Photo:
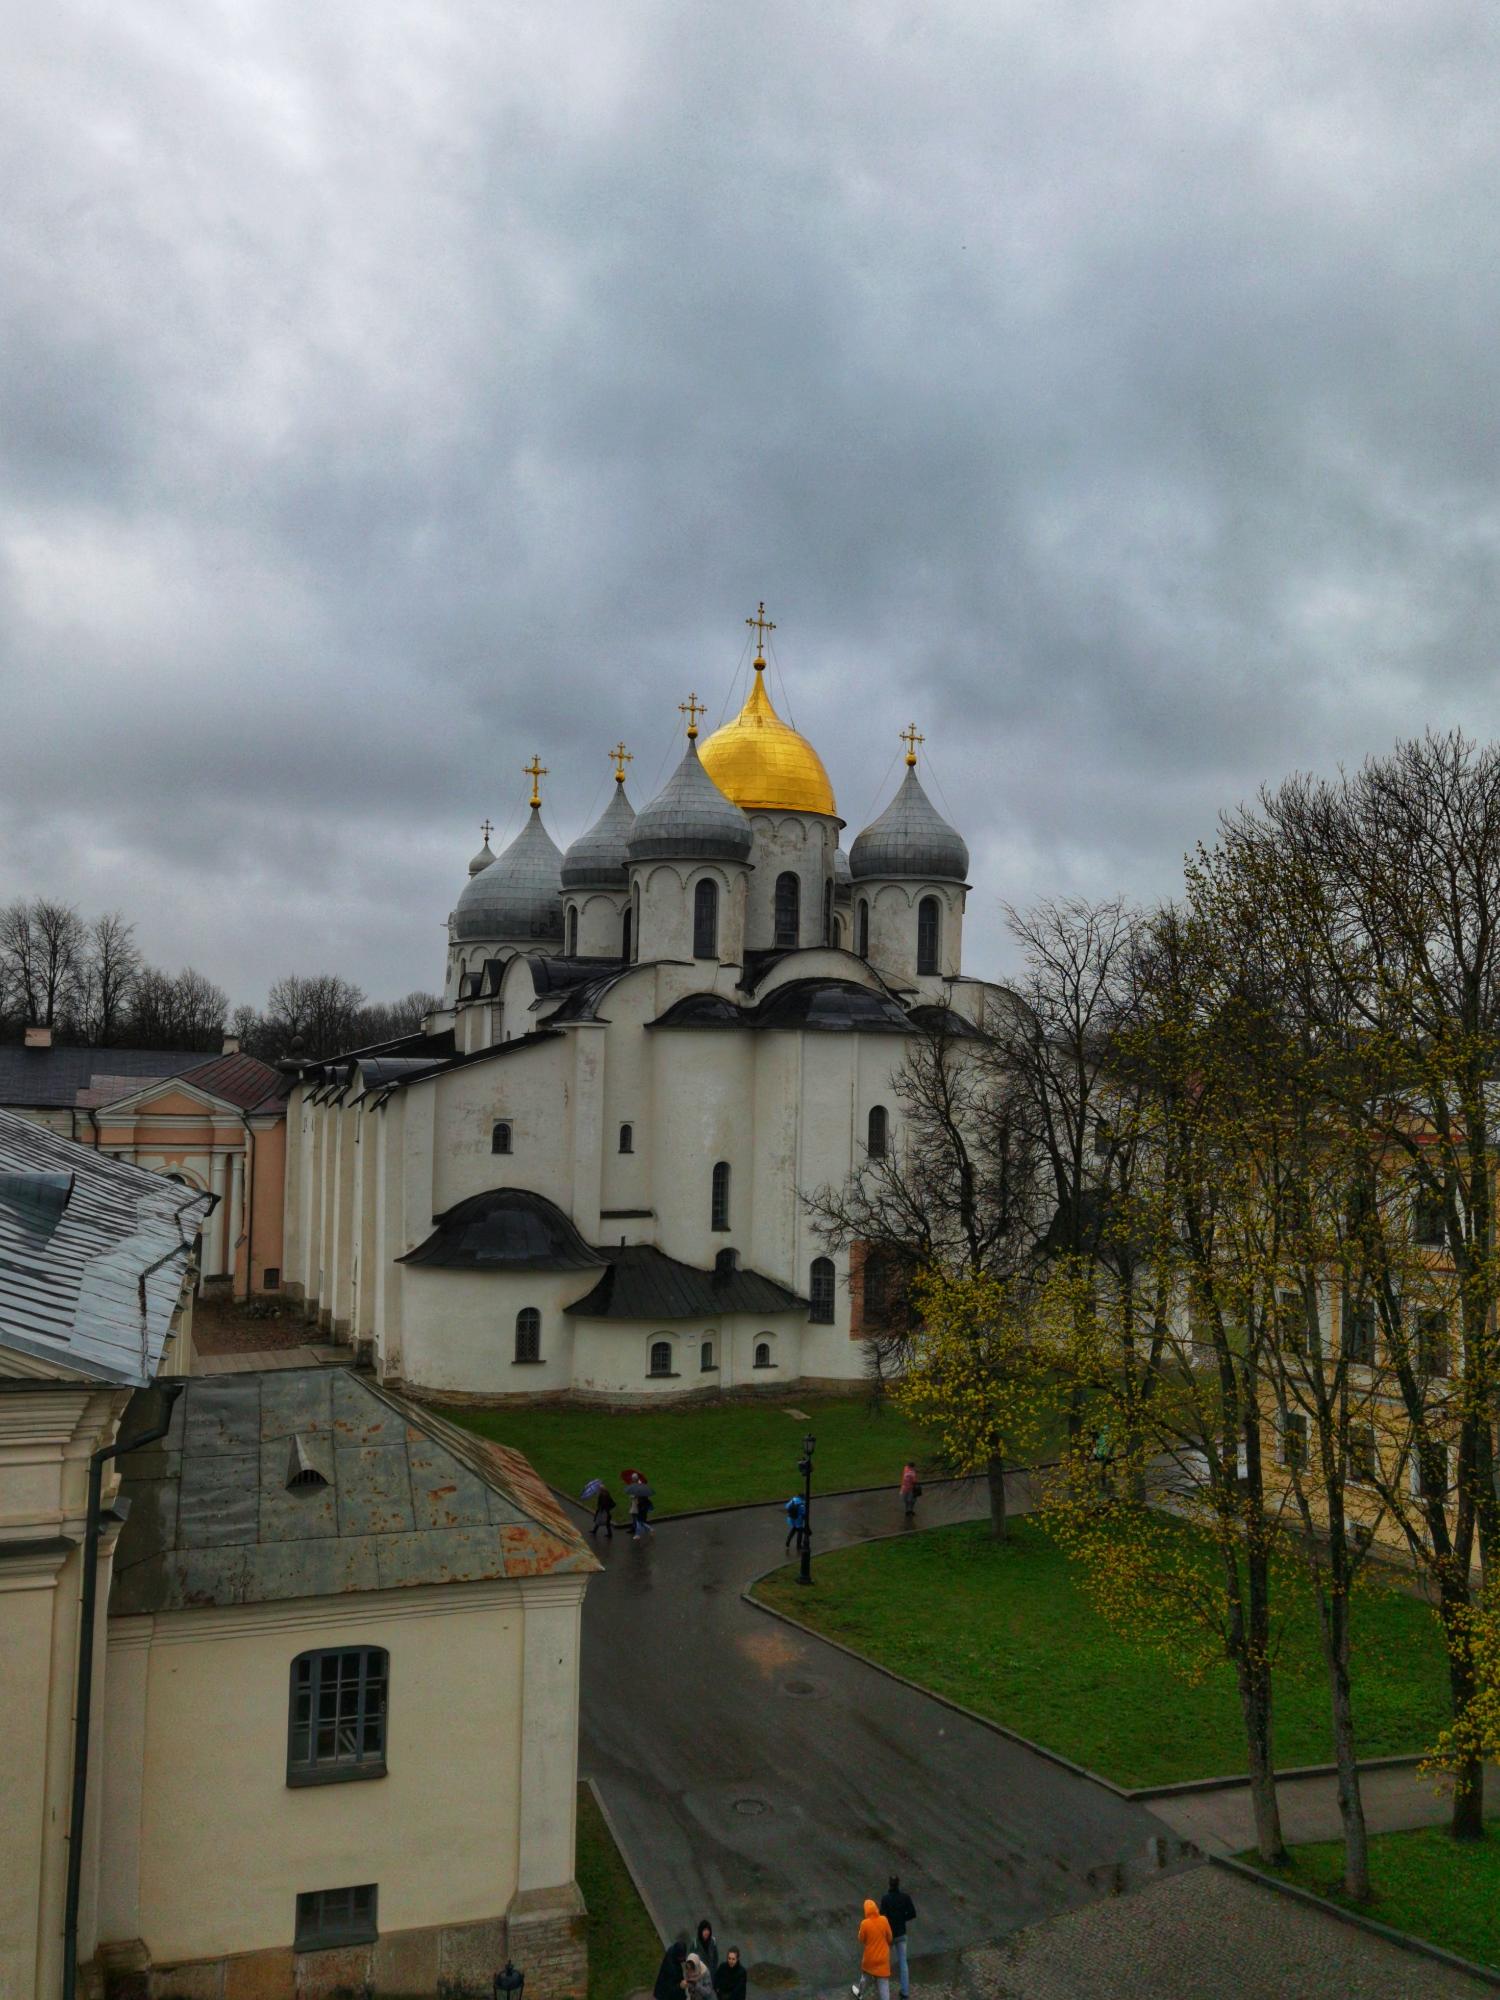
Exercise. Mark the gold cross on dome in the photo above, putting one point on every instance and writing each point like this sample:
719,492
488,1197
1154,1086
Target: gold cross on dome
762,625
622,757
911,739
692,708
536,770
486,829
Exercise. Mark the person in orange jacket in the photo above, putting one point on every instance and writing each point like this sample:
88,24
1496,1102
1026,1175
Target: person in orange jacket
875,1951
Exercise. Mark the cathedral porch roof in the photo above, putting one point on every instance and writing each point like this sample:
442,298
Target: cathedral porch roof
642,1282
505,1229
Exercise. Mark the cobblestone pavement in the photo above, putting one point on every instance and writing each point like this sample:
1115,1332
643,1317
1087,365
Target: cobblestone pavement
1203,1935
227,1326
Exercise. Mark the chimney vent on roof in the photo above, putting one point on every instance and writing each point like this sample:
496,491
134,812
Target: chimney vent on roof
38,1037
231,1045
301,1473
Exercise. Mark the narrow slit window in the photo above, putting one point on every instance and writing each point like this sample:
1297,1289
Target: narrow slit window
627,1138
706,919
862,931
788,911
719,1196
876,1128
820,1291
929,934
572,946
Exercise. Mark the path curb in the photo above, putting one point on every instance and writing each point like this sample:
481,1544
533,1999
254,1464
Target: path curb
749,1506
1489,1975
624,1853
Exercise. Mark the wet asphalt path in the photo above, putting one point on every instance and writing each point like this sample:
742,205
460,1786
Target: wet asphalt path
767,1781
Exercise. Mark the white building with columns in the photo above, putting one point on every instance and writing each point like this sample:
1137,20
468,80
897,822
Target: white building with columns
587,1175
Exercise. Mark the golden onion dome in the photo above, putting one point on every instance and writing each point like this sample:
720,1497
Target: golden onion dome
760,761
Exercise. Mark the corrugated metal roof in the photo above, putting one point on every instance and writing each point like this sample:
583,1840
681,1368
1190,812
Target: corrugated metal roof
405,1498
642,1282
240,1079
90,1281
54,1077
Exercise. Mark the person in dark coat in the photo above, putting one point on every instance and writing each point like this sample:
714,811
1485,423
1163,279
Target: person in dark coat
707,1947
899,1910
669,1979
732,1981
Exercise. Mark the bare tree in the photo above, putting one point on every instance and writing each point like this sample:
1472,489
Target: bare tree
110,966
321,1008
41,947
185,1011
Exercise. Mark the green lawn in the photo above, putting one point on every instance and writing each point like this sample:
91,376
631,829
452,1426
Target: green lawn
1444,1890
707,1454
1006,1629
624,1950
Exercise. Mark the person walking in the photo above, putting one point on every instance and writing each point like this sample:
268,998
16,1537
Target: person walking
670,1976
899,1910
731,1981
911,1490
796,1515
604,1508
640,1493
707,1947
697,1983
874,1951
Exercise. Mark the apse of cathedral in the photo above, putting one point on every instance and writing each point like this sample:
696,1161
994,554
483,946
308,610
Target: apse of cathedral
587,1174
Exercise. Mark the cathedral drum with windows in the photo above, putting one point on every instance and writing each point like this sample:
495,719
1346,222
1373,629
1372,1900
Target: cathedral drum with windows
585,1176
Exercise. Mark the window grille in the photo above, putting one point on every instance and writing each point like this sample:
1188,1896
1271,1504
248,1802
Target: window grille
500,1137
661,1357
528,1334
719,1197
338,1715
929,934
820,1291
763,1354
335,1916
875,1132
788,911
706,919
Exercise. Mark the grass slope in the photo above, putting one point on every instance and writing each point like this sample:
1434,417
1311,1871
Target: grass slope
1444,1890
1007,1630
624,1950
706,1454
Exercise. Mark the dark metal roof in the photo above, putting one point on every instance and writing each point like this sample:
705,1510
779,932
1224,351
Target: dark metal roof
690,819
825,1006
508,1229
702,1010
597,858
910,839
93,1253
406,1498
642,1282
935,1019
54,1077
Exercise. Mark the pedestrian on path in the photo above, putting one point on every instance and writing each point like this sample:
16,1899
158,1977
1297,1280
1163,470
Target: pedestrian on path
604,1508
697,1984
899,1910
707,1947
731,1981
669,1978
796,1515
911,1490
640,1508
874,1952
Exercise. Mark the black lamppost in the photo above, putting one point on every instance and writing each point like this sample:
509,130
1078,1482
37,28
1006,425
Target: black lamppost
804,1466
509,1983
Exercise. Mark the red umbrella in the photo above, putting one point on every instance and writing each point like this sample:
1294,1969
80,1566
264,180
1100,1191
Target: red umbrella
631,1477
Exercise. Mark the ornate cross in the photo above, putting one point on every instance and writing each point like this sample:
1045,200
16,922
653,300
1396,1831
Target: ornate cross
536,770
486,829
762,625
911,739
692,708
622,757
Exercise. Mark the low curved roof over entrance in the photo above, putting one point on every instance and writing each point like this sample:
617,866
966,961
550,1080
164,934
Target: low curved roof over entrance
505,1229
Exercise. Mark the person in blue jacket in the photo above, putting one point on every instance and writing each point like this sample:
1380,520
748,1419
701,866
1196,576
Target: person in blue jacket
796,1515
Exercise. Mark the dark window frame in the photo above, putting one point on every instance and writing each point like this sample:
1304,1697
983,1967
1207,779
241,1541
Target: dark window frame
270,1278
706,918
571,947
877,1132
303,1765
1294,1440
627,934
706,1363
1363,1455
929,937
502,1136
822,1291
862,929
828,911
627,1138
786,911
658,1347
528,1336
1359,1333
1434,1345
718,1196
323,1925
764,1357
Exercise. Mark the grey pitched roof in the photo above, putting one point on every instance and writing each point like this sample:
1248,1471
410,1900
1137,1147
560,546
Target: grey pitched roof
690,819
597,858
54,1077
644,1283
506,1229
911,839
405,1498
92,1255
516,897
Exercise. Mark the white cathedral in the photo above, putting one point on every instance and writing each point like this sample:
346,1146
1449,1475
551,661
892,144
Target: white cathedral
586,1175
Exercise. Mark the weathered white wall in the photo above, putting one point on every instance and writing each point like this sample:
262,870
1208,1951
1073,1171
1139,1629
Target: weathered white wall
893,930
801,844
666,890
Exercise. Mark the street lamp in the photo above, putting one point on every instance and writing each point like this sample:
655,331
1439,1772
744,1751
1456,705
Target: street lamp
804,1466
509,1983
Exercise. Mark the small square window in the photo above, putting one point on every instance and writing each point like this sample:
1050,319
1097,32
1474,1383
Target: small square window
338,1714
327,1917
270,1278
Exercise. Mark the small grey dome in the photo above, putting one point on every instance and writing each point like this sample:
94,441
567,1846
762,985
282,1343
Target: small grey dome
690,820
843,880
515,899
481,860
911,838
596,860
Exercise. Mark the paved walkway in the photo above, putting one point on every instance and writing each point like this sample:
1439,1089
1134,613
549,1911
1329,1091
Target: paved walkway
252,1360
1223,1823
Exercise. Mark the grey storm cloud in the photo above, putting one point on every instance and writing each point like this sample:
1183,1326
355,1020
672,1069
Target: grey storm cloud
387,393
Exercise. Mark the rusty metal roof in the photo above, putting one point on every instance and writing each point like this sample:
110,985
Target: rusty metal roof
405,1498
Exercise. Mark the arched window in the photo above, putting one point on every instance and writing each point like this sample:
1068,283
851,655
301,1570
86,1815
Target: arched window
726,1261
706,919
929,933
627,1138
763,1354
626,929
706,1356
661,1357
500,1137
828,911
820,1290
879,1288
875,1132
572,946
528,1334
719,1198
862,930
788,911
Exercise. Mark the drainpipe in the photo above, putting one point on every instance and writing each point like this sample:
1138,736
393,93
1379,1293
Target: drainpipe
249,1217
84,1691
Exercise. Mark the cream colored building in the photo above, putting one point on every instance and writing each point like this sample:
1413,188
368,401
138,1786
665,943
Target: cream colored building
587,1175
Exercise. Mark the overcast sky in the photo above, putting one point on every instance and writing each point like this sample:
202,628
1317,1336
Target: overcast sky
388,392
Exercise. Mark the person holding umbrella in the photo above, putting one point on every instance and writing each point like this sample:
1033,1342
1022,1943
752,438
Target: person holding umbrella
604,1507
642,1493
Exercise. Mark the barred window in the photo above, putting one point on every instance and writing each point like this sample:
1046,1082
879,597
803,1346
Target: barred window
718,1200
661,1357
929,934
876,1127
335,1916
788,906
820,1291
763,1354
500,1137
338,1715
528,1334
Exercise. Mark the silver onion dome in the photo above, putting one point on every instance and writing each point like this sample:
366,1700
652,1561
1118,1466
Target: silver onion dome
911,838
482,859
515,899
597,859
690,820
843,880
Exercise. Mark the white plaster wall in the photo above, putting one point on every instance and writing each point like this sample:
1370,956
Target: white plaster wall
893,929
601,914
803,845
459,1329
666,891
532,1089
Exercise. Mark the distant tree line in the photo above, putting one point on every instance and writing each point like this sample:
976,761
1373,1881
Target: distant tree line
86,980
